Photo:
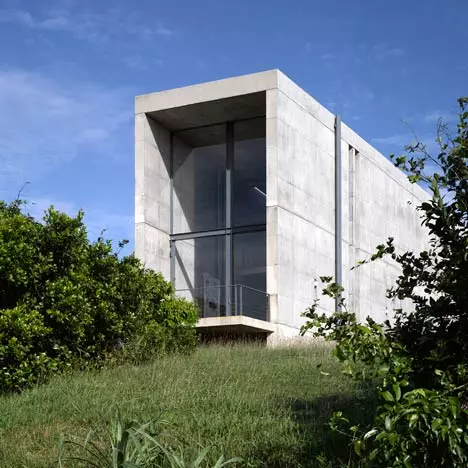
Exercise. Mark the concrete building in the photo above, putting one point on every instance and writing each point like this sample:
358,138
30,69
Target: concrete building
248,190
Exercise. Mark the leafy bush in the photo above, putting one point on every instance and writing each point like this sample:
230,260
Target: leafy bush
66,301
420,361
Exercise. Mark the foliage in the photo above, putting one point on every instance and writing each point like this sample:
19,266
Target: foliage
132,445
66,301
420,360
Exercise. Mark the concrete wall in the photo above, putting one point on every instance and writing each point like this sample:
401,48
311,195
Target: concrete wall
384,205
300,206
377,202
152,194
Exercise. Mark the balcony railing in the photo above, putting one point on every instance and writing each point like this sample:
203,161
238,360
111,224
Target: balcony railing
222,301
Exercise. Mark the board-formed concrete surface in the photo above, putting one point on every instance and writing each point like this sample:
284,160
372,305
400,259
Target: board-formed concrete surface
377,199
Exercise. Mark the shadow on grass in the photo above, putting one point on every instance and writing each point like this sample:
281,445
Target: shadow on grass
315,437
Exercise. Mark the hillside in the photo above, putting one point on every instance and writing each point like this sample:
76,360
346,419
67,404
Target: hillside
268,406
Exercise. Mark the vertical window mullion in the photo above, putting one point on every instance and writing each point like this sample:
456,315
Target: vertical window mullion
171,212
228,250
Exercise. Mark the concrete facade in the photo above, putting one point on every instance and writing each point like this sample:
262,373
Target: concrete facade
377,199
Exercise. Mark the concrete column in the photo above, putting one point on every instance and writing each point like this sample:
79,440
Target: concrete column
152,194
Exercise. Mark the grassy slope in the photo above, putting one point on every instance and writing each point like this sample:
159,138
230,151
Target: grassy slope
267,406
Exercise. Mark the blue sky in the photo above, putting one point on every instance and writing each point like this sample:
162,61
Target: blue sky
69,71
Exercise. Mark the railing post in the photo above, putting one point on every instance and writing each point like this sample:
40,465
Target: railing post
241,311
236,312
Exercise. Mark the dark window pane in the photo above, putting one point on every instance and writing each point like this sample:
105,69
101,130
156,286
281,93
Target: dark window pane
200,273
249,181
199,165
249,274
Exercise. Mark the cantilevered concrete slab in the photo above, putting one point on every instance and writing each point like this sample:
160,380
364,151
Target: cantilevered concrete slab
207,92
234,325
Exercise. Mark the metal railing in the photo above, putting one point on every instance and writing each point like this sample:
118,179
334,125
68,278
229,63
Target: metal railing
241,300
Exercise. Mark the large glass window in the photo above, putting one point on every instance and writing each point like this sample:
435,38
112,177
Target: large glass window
249,193
199,178
200,273
249,273
218,236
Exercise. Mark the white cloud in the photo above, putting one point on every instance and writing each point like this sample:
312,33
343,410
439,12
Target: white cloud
116,225
16,16
163,31
327,57
397,142
140,62
37,206
400,139
44,122
383,51
435,116
368,95
88,25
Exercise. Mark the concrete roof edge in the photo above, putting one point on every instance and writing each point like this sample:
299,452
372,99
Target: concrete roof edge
302,98
263,81
208,91
367,150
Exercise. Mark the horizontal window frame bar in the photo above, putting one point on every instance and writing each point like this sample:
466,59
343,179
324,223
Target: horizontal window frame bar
218,232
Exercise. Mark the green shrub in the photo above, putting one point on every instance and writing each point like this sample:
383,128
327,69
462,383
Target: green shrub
420,361
161,335
66,301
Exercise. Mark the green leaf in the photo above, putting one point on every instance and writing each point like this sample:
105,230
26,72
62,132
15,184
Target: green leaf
397,391
383,369
407,462
358,446
388,423
370,434
414,418
387,396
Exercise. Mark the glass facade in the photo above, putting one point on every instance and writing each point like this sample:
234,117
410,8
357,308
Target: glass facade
249,191
218,238
199,179
200,273
249,270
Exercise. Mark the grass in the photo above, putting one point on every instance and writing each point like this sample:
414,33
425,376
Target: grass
268,406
